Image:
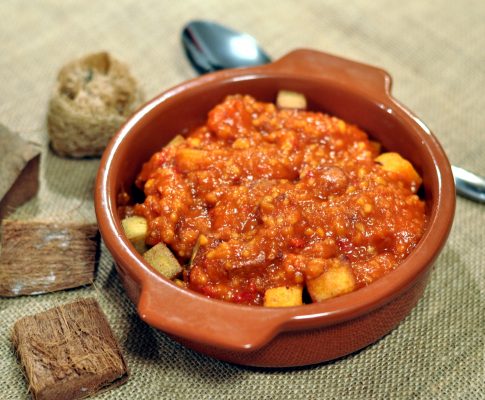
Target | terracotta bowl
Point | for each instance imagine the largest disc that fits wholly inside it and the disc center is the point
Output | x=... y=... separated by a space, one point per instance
x=278 y=337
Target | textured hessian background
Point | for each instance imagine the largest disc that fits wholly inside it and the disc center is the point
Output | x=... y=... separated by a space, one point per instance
x=434 y=50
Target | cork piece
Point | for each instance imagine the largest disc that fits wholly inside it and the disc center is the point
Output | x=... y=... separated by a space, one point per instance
x=45 y=256
x=19 y=171
x=92 y=98
x=69 y=352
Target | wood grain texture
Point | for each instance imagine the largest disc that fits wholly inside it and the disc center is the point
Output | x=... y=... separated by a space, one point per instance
x=69 y=352
x=46 y=256
x=19 y=171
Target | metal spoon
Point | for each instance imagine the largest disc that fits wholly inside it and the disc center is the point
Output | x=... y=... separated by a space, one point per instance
x=211 y=47
x=468 y=184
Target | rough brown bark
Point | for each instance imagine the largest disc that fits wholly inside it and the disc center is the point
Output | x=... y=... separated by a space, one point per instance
x=69 y=352
x=19 y=171
x=45 y=256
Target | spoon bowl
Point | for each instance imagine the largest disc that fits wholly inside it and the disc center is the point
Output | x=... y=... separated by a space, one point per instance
x=211 y=47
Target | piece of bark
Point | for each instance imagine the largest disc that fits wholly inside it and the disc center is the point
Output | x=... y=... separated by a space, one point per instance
x=19 y=171
x=45 y=256
x=69 y=352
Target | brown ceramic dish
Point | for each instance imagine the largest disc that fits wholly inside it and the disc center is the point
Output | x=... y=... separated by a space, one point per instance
x=292 y=336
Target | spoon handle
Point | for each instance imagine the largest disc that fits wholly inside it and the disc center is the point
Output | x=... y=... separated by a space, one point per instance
x=469 y=185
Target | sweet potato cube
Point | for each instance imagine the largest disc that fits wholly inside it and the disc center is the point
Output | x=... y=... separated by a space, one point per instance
x=393 y=162
x=136 y=229
x=283 y=296
x=289 y=99
x=176 y=141
x=337 y=280
x=161 y=258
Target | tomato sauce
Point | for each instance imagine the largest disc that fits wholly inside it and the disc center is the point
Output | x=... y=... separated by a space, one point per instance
x=259 y=197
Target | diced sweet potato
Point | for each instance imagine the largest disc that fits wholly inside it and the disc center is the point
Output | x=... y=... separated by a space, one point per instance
x=289 y=99
x=337 y=280
x=162 y=259
x=176 y=141
x=283 y=296
x=136 y=229
x=180 y=283
x=393 y=162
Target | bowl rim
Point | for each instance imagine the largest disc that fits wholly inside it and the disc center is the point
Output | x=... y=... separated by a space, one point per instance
x=155 y=289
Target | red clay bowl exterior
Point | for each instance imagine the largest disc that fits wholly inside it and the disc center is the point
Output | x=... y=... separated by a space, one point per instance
x=293 y=336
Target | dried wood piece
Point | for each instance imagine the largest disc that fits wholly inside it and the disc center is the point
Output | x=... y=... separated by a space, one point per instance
x=45 y=256
x=69 y=352
x=19 y=171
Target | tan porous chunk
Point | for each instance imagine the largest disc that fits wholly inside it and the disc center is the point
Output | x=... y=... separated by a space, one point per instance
x=283 y=296
x=337 y=280
x=136 y=229
x=161 y=258
x=92 y=97
x=289 y=99
x=395 y=163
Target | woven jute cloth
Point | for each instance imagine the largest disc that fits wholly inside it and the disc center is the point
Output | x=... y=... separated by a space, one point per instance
x=435 y=52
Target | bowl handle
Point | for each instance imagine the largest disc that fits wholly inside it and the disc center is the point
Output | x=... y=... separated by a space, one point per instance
x=316 y=64
x=177 y=311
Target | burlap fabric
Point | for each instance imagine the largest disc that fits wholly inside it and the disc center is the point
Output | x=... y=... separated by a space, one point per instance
x=435 y=53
